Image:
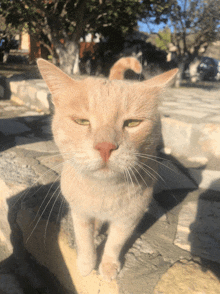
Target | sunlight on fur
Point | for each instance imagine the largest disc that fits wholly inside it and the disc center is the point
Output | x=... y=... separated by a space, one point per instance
x=107 y=132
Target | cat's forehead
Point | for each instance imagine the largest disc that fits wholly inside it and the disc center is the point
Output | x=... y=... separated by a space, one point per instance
x=110 y=97
x=105 y=93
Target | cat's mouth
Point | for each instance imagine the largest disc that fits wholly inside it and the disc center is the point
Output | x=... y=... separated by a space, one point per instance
x=104 y=171
x=105 y=167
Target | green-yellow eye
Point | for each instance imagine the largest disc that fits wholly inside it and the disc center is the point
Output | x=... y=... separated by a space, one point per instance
x=83 y=122
x=131 y=123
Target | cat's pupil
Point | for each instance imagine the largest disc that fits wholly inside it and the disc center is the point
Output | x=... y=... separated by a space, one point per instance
x=130 y=123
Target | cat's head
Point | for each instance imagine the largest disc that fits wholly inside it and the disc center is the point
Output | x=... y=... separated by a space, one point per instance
x=103 y=127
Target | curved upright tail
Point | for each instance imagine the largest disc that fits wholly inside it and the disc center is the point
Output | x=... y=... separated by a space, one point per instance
x=118 y=69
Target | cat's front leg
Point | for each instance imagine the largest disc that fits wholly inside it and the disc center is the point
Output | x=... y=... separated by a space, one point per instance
x=119 y=233
x=84 y=237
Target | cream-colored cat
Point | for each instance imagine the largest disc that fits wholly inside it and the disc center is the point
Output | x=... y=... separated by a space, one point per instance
x=107 y=132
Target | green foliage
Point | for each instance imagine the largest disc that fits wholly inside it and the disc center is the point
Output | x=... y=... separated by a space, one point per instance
x=163 y=39
x=58 y=23
x=7 y=29
x=195 y=24
x=62 y=18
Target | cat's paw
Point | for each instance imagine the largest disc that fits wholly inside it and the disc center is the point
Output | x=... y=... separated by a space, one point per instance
x=86 y=264
x=109 y=269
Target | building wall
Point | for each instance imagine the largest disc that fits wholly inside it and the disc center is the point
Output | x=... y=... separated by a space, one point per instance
x=25 y=41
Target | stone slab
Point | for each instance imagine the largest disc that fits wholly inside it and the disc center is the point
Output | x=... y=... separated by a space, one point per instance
x=5 y=230
x=210 y=138
x=31 y=113
x=206 y=179
x=215 y=119
x=36 y=144
x=198 y=229
x=14 y=85
x=176 y=135
x=15 y=170
x=190 y=113
x=53 y=162
x=188 y=277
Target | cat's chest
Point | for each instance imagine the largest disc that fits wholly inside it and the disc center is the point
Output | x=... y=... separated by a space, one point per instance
x=103 y=199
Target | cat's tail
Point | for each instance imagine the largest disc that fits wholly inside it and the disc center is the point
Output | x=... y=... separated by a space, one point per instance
x=123 y=64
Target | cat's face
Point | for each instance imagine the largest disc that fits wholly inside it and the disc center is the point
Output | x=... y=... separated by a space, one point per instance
x=102 y=127
x=112 y=112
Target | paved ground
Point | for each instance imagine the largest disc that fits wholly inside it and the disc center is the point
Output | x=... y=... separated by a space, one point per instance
x=183 y=233
x=192 y=105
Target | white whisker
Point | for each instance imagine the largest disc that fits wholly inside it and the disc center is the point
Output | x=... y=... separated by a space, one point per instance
x=41 y=215
x=45 y=232
x=128 y=169
x=44 y=200
x=141 y=176
x=141 y=163
x=127 y=180
x=147 y=157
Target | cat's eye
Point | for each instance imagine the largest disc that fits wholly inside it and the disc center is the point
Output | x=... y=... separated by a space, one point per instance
x=131 y=123
x=83 y=122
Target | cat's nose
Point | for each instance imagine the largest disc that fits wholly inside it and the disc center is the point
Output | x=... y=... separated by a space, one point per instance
x=105 y=149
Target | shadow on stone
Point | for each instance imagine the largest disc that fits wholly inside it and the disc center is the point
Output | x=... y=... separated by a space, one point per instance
x=35 y=217
x=5 y=92
x=26 y=130
x=164 y=201
x=204 y=234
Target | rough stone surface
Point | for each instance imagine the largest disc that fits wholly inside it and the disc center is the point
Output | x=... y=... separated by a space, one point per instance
x=32 y=92
x=186 y=277
x=6 y=248
x=197 y=229
x=14 y=169
x=36 y=144
x=53 y=162
x=206 y=179
x=176 y=135
x=210 y=139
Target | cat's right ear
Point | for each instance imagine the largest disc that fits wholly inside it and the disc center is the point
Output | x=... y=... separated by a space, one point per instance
x=162 y=80
x=59 y=83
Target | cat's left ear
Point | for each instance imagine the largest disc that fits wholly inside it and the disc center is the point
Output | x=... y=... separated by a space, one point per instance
x=59 y=83
x=162 y=80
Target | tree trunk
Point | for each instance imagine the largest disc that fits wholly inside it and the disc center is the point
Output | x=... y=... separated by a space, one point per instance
x=179 y=75
x=193 y=66
x=68 y=56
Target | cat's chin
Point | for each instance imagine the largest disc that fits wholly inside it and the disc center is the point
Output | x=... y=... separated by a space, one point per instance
x=105 y=173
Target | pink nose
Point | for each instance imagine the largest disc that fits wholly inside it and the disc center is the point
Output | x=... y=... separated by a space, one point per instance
x=105 y=149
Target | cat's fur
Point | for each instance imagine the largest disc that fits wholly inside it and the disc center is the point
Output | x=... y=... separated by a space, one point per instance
x=108 y=169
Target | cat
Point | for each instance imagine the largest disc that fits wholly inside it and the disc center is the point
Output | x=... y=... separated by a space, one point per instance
x=107 y=132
